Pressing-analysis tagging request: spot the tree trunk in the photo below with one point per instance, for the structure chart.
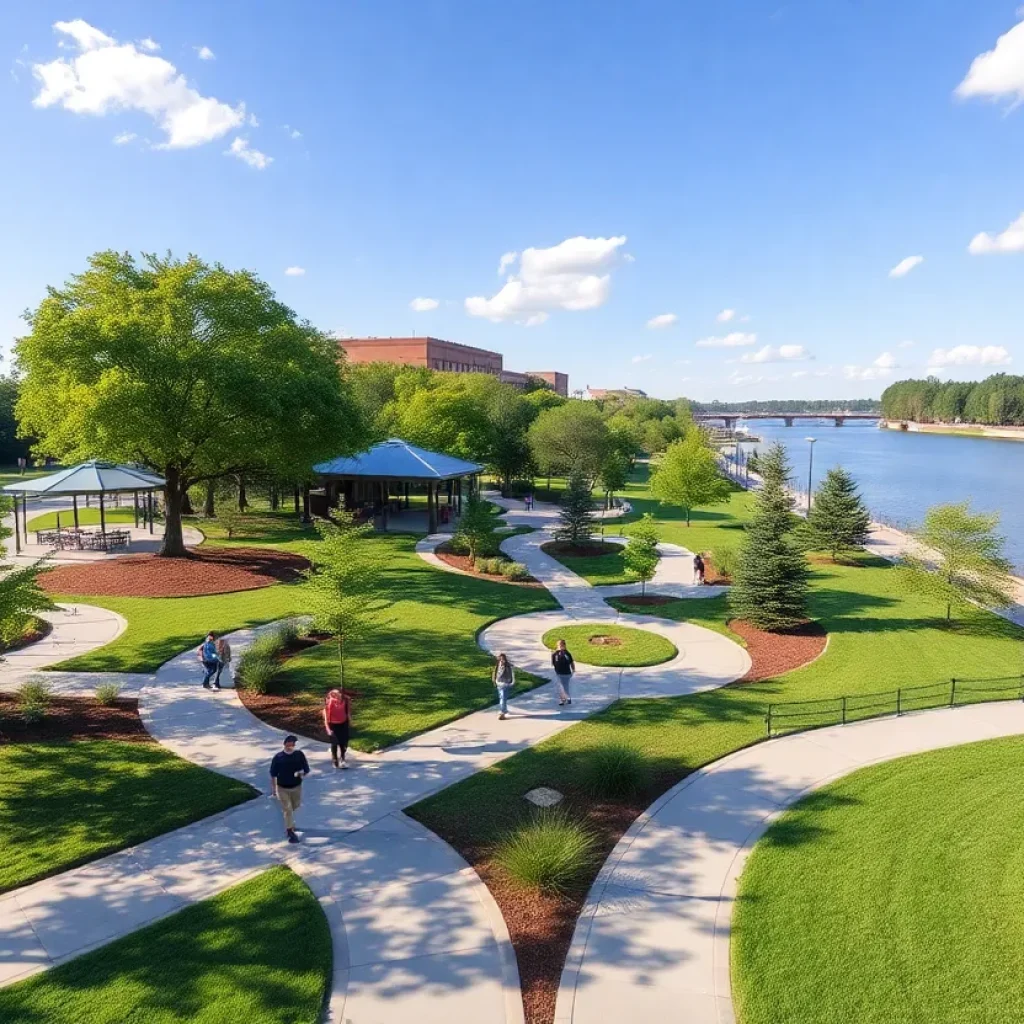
(274, 499)
(173, 545)
(687, 517)
(186, 505)
(243, 502)
(210, 506)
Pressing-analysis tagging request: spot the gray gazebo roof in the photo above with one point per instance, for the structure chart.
(90, 478)
(396, 459)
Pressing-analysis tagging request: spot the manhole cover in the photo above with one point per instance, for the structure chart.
(602, 640)
(544, 796)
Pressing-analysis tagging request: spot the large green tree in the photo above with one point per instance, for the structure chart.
(570, 438)
(958, 560)
(688, 475)
(189, 369)
(839, 520)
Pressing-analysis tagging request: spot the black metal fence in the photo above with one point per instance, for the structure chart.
(794, 716)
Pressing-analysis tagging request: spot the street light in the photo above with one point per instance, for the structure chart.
(810, 469)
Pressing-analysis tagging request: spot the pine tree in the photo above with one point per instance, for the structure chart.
(769, 586)
(641, 554)
(577, 515)
(476, 529)
(838, 520)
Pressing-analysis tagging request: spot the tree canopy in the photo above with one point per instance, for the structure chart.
(570, 438)
(688, 475)
(995, 401)
(186, 368)
(839, 520)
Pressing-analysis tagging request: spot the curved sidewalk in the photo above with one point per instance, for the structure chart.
(652, 941)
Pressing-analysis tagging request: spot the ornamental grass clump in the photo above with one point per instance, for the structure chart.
(107, 694)
(515, 571)
(553, 852)
(616, 770)
(33, 699)
(260, 662)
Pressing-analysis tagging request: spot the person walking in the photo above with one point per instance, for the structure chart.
(337, 721)
(564, 666)
(287, 770)
(504, 678)
(208, 659)
(223, 658)
(698, 570)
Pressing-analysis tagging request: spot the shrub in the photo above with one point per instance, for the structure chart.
(458, 545)
(34, 698)
(616, 770)
(107, 694)
(255, 671)
(724, 561)
(515, 571)
(289, 632)
(490, 565)
(553, 852)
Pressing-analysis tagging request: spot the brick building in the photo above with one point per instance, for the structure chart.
(450, 356)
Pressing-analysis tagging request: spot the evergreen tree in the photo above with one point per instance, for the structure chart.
(838, 520)
(476, 528)
(577, 515)
(641, 554)
(769, 586)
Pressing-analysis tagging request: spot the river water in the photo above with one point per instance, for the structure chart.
(901, 474)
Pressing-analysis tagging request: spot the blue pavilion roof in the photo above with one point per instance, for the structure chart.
(396, 459)
(89, 478)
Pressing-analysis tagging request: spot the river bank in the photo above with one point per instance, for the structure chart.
(961, 429)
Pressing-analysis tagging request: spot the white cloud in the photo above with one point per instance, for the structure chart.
(564, 276)
(205, 53)
(253, 121)
(725, 316)
(151, 45)
(737, 339)
(662, 320)
(1010, 240)
(970, 355)
(294, 271)
(886, 361)
(423, 305)
(906, 344)
(107, 76)
(739, 380)
(906, 265)
(506, 261)
(641, 359)
(123, 138)
(771, 354)
(293, 133)
(253, 157)
(800, 373)
(536, 319)
(998, 72)
(881, 367)
(628, 257)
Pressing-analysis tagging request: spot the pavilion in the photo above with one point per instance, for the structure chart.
(85, 479)
(377, 478)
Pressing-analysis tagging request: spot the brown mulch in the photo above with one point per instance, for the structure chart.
(205, 571)
(559, 548)
(301, 714)
(712, 576)
(73, 718)
(771, 654)
(462, 562)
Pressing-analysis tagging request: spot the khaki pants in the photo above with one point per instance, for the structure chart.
(291, 801)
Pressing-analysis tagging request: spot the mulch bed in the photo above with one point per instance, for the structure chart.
(562, 549)
(288, 711)
(74, 718)
(712, 576)
(462, 562)
(205, 571)
(772, 654)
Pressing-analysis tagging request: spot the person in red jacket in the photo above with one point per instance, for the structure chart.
(337, 720)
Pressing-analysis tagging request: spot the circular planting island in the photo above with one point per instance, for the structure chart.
(889, 897)
(612, 646)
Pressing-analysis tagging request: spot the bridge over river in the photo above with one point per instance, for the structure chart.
(731, 418)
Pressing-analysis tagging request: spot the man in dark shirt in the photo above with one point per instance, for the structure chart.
(564, 666)
(287, 770)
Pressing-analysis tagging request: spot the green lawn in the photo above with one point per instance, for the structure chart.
(63, 804)
(257, 528)
(636, 647)
(259, 953)
(894, 896)
(422, 667)
(597, 570)
(86, 517)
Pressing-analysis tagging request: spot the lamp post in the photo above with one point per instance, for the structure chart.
(810, 469)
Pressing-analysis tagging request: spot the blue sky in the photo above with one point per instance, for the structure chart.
(678, 159)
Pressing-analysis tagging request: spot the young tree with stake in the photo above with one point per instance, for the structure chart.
(641, 554)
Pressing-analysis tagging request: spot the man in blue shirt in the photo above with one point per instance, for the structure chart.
(208, 658)
(287, 770)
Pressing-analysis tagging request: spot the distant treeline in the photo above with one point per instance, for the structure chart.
(788, 405)
(996, 401)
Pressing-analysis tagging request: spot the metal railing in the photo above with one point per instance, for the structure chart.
(794, 716)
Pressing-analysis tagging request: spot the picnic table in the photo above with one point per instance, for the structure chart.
(73, 539)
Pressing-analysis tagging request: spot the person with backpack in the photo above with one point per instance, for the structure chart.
(337, 722)
(564, 666)
(504, 678)
(207, 653)
(223, 658)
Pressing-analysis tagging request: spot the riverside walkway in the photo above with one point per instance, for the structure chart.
(416, 935)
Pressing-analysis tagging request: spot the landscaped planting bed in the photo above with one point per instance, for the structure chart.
(609, 645)
(73, 718)
(207, 570)
(774, 654)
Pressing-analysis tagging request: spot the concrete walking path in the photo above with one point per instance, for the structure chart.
(652, 941)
